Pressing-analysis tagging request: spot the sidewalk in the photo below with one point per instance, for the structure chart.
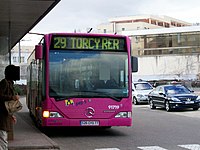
(27, 136)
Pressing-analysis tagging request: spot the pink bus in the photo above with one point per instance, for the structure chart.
(81, 80)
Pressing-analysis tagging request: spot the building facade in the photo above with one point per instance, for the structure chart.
(167, 48)
(19, 56)
(168, 53)
(140, 22)
(4, 61)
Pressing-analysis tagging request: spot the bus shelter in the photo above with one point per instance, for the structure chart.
(17, 18)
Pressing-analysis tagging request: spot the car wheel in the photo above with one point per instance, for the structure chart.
(167, 106)
(152, 106)
(195, 108)
(135, 102)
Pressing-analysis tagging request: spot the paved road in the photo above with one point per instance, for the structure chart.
(151, 130)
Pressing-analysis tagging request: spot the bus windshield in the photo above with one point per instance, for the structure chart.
(76, 73)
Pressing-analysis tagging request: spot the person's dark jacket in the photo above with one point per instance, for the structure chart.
(6, 94)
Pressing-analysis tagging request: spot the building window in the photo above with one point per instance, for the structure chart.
(160, 23)
(104, 30)
(173, 23)
(153, 22)
(123, 29)
(166, 44)
(14, 59)
(166, 25)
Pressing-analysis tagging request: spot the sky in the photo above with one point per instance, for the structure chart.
(80, 15)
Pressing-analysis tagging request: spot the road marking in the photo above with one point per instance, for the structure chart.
(186, 146)
(191, 146)
(107, 149)
(151, 148)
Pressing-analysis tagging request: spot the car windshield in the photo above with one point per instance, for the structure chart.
(172, 90)
(143, 86)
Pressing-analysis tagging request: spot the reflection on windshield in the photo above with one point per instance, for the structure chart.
(88, 74)
(177, 90)
(143, 86)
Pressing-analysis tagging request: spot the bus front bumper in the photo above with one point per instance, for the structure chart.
(63, 122)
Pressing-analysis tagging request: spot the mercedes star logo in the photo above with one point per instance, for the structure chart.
(89, 112)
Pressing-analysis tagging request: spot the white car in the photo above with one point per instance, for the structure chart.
(140, 91)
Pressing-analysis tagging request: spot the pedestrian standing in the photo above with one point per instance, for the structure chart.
(7, 93)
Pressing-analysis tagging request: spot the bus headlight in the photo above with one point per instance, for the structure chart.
(47, 114)
(123, 115)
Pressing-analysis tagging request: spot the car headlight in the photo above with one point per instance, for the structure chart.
(175, 99)
(140, 95)
(198, 98)
(123, 115)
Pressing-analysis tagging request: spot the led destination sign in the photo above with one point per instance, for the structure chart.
(88, 43)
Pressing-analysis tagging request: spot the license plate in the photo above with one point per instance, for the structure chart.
(189, 102)
(89, 123)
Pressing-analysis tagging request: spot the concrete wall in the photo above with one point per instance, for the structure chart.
(174, 66)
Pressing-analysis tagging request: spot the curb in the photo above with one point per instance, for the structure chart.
(28, 137)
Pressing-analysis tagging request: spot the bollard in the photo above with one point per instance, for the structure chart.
(10, 129)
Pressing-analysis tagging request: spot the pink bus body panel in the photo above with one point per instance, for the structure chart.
(76, 111)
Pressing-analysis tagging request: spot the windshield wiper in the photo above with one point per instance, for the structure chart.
(104, 94)
(60, 98)
(97, 93)
(113, 97)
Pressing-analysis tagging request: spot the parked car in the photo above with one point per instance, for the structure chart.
(140, 91)
(173, 97)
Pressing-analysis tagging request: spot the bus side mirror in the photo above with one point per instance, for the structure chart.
(134, 64)
(38, 51)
